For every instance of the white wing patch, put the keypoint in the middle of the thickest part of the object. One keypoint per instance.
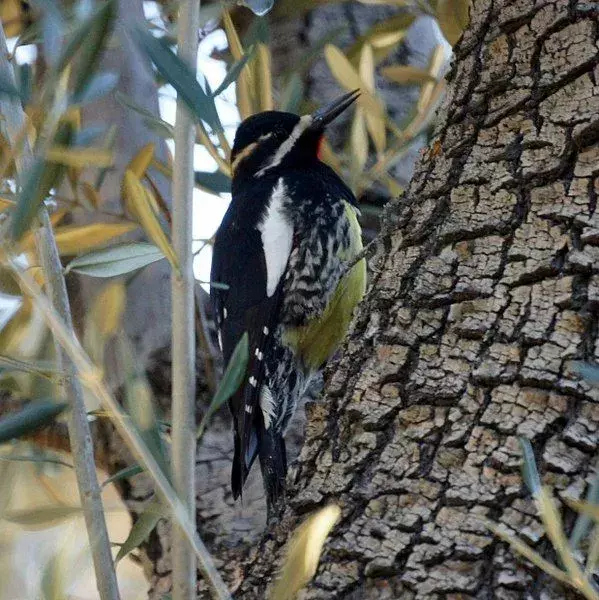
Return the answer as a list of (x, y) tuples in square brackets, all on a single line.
[(277, 237), (267, 405)]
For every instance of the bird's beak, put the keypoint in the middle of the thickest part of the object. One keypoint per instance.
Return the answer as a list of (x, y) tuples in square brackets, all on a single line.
[(323, 116)]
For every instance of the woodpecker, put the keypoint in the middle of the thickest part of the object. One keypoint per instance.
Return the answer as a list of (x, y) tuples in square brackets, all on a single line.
[(284, 252)]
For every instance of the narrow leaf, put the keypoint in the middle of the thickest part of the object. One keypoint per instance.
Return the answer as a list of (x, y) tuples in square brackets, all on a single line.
[(142, 528), (453, 17), (529, 468), (216, 182), (8, 87), (233, 73), (125, 473), (231, 381), (42, 517), (75, 239), (87, 43), (178, 74), (140, 163), (292, 93), (35, 415), (44, 368), (303, 553), (141, 199), (116, 260), (79, 158), (407, 75), (38, 182), (44, 459), (97, 88)]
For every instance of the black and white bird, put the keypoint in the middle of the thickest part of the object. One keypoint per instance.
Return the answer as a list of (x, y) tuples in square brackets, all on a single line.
[(284, 252)]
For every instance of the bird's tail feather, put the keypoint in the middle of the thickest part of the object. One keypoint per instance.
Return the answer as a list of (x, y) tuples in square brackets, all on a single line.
[(273, 462), (242, 464)]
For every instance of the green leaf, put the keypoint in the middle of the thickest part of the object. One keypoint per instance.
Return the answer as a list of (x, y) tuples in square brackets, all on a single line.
[(24, 77), (178, 74), (529, 467), (117, 260), (41, 178), (88, 42), (588, 371), (44, 459), (233, 72), (52, 28), (98, 87), (36, 414), (38, 367), (215, 182), (291, 96), (8, 87), (141, 529), (124, 474), (42, 517), (231, 380), (153, 122)]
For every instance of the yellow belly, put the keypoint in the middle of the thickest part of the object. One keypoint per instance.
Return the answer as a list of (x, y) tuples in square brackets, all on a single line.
[(316, 342)]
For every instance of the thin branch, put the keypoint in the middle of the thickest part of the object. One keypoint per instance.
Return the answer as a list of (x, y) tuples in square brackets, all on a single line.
[(183, 317), (79, 432)]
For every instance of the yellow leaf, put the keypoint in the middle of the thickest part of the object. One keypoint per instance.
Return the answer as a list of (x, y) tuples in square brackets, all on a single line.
[(367, 67), (232, 37), (244, 81), (264, 79), (91, 194), (348, 77), (358, 142), (395, 190), (142, 200), (453, 17), (303, 553), (407, 75), (75, 239), (342, 69), (103, 319), (434, 68), (12, 19), (142, 160), (6, 203), (383, 37), (81, 157)]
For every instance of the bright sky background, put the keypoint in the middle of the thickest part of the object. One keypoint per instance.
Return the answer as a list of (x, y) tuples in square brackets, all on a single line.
[(208, 209)]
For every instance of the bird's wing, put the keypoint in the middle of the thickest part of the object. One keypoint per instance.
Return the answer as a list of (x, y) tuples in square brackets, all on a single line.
[(251, 261)]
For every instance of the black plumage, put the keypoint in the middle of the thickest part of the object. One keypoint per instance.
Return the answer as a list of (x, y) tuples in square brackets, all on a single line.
[(277, 251)]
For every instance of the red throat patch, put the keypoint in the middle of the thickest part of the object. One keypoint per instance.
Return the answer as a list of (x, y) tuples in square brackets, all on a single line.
[(319, 147)]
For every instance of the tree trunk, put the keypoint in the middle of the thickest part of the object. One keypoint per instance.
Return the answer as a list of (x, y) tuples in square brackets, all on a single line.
[(484, 289)]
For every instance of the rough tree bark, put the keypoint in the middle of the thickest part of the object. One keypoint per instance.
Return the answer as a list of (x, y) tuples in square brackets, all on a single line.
[(484, 289)]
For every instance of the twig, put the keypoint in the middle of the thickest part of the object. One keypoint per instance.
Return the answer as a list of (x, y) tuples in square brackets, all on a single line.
[(183, 318), (79, 432)]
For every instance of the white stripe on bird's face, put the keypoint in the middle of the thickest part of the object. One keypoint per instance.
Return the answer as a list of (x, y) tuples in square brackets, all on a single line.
[(287, 145), (277, 237)]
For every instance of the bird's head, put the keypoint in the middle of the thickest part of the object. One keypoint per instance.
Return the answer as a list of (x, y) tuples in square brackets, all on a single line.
[(271, 140)]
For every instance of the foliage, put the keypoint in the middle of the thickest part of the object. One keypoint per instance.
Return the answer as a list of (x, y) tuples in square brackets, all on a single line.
[(575, 570)]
